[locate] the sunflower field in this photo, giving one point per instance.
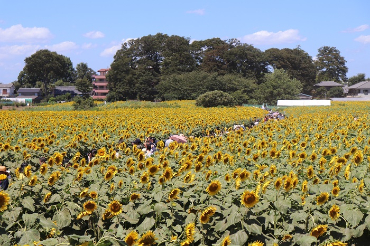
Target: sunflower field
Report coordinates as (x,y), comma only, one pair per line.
(298,181)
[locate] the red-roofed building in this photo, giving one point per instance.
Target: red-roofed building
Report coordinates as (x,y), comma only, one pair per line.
(100,84)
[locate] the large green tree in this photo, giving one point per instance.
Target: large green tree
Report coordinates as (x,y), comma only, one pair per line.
(330,65)
(247,61)
(44,68)
(278,86)
(83,71)
(297,63)
(356,79)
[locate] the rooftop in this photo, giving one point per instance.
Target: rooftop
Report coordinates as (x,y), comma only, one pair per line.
(329,84)
(6,85)
(360,85)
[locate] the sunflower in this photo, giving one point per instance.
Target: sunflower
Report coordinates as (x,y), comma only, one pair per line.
(93,194)
(33,181)
(227,177)
(334,212)
(288,184)
(214,187)
(278,183)
(273,170)
(27,171)
(361,186)
(173,194)
(256,243)
(319,230)
(52,179)
(131,238)
(204,218)
(115,208)
(109,175)
(313,156)
(358,157)
(207,214)
(84,193)
(90,206)
(107,215)
(244,175)
(189,177)
(111,189)
(265,185)
(43,168)
(4,201)
(113,169)
(287,237)
(147,239)
(144,178)
(134,196)
(190,231)
(304,186)
(208,175)
(167,173)
(335,191)
(101,152)
(310,172)
(226,241)
(153,169)
(47,197)
(249,199)
(322,198)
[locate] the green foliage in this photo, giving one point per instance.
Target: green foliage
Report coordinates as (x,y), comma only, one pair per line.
(356,79)
(81,103)
(84,86)
(297,63)
(330,65)
(278,85)
(335,92)
(45,67)
(214,99)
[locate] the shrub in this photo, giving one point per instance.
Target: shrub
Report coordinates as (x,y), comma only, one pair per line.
(214,99)
(81,103)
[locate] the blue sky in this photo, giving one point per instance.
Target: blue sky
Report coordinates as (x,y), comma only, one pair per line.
(92,31)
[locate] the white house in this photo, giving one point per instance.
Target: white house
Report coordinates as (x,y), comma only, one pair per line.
(6,90)
(361,89)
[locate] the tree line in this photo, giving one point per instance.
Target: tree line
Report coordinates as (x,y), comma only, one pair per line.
(163,67)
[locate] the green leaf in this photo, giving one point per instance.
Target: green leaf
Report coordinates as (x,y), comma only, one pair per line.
(304,240)
(160,207)
(30,236)
(144,209)
(190,218)
(283,205)
(29,219)
(146,225)
(221,225)
(353,217)
(49,242)
(132,217)
(46,222)
(239,238)
(28,203)
(63,218)
(158,196)
(254,228)
(55,198)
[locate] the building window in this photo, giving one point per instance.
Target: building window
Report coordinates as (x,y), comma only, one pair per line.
(366,92)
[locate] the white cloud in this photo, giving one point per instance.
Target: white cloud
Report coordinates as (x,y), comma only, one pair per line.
(17,50)
(18,33)
(265,37)
(111,51)
(197,11)
(94,34)
(357,29)
(363,39)
(87,46)
(62,47)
